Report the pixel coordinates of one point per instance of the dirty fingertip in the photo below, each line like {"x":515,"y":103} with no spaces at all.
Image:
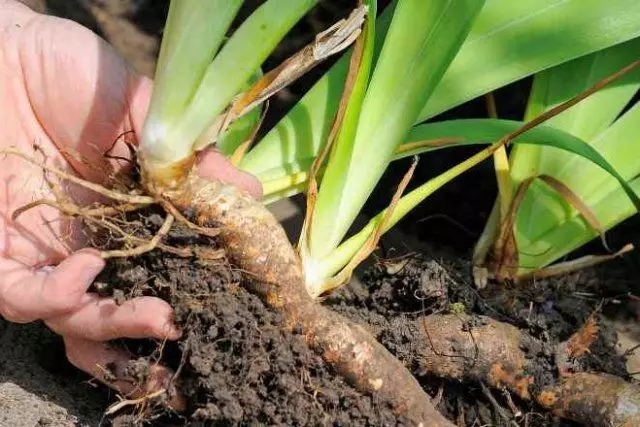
{"x":161,"y":378}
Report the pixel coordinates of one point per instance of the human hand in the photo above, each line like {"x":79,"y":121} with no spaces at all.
{"x":66,"y":91}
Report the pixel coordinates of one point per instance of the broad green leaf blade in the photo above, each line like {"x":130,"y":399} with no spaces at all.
{"x":486,"y":131}
{"x":509,"y":41}
{"x":585,"y":120}
{"x":563,"y":239}
{"x":619,"y":144}
{"x":514,"y":39}
{"x":617,"y":204}
{"x":603,"y":174}
{"x":305,"y":129}
{"x":423,"y":39}
{"x":182,"y":62}
{"x":596,"y":113}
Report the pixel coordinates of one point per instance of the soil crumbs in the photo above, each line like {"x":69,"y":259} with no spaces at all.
{"x":407,"y":288}
{"x":238,"y":364}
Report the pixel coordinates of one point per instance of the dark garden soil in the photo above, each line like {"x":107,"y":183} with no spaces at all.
{"x":237,"y":364}
{"x":411,"y":287}
{"x":236,"y":361}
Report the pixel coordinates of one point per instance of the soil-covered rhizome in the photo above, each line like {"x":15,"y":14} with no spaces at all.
{"x":239,"y":363}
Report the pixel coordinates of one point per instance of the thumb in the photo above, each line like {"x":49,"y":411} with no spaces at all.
{"x":215,"y":166}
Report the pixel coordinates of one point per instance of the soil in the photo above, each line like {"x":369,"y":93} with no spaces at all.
{"x":410,"y":287}
{"x":38,"y":387}
{"x":237,"y":364}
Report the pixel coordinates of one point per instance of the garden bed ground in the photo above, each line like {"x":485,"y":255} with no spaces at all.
{"x":240,"y":364}
{"x":237,"y":362}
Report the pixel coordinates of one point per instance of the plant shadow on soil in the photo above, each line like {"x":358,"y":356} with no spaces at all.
{"x":238,"y":365}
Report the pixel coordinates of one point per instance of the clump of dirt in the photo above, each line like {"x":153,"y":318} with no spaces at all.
{"x":399,"y":291}
{"x":550,"y":310}
{"x":236,"y":363}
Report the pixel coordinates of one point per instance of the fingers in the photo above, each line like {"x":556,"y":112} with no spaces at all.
{"x":26,"y":295}
{"x":102,"y":362}
{"x":101,"y":319}
{"x":214,"y":165}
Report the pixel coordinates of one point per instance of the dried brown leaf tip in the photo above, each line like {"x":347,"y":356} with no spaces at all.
{"x":330,"y":42}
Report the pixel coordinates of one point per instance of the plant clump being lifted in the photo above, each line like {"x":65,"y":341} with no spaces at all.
{"x":396,"y":75}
